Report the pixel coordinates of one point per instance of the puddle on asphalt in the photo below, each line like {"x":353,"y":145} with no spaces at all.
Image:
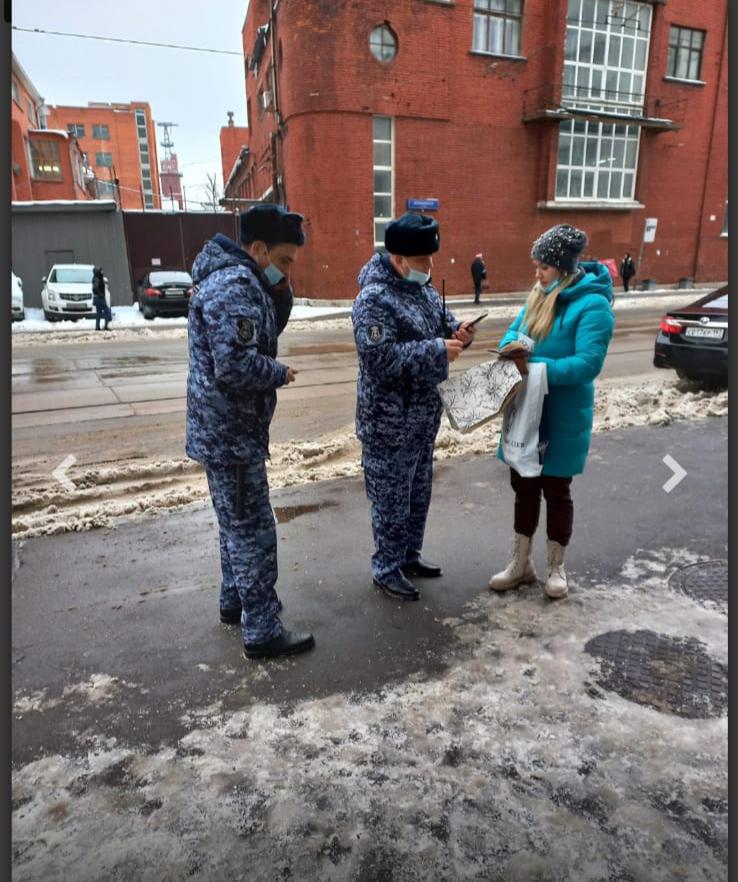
{"x":287,"y":513}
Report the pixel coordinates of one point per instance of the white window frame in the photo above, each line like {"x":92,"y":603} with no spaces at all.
{"x":383,"y":221}
{"x":607,"y":48}
{"x":15,"y":91}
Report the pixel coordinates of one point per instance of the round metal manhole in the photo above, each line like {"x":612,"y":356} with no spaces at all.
{"x":705,"y":582}
{"x":673,"y":675}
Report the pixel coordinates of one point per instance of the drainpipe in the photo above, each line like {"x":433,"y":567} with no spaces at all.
{"x":703,"y":202}
{"x":279,"y":194}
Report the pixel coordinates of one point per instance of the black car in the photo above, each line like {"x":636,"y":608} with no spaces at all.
{"x":165,"y":293}
{"x":694,"y":340}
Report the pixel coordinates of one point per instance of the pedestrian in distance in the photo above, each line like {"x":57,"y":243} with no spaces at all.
{"x":242,"y":305}
{"x":405,"y":339}
{"x":99,"y":301}
{"x":479,"y":274}
{"x":627,"y":270}
{"x":570,"y":320}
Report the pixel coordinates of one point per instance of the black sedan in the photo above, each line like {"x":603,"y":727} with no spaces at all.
{"x":694,"y":340}
{"x":165,"y":293}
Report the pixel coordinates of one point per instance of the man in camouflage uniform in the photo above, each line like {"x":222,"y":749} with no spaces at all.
{"x":242,"y":304}
{"x":405,"y":340}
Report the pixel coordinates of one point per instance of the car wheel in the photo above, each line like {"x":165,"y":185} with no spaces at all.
{"x":148,"y":312}
{"x":50,"y":317}
{"x":140,"y":306}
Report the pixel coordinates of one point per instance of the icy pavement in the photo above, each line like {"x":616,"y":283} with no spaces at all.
{"x":469,"y":736}
{"x":103,"y":494}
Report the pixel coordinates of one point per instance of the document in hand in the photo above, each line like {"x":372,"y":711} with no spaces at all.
{"x":480,"y":393}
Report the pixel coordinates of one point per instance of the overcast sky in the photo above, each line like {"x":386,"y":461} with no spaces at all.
{"x":193,"y":89}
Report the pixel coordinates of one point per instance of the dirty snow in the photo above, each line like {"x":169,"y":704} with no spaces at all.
{"x":129,"y":323}
{"x":103,"y":494}
{"x":512,"y":766}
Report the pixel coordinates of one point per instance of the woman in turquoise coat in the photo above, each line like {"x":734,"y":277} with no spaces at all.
{"x":566,"y":324}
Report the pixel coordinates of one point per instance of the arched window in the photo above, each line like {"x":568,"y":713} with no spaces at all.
{"x":383,"y":43}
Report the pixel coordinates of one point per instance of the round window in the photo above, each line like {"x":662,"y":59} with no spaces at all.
{"x":383,"y":43}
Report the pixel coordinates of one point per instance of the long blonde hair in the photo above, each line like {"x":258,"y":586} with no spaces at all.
{"x":540,"y":309}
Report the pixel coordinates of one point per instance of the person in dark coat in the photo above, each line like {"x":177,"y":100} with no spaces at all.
{"x":479,"y":273}
{"x":242,"y":305}
{"x":627,"y":270}
{"x":405,"y":341}
{"x":102,"y":309}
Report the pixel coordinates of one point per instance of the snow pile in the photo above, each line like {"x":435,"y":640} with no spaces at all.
{"x":129,"y":318}
{"x":510,"y":765}
{"x":103,"y":494}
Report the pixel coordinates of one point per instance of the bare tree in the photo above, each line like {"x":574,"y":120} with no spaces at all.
{"x":212,"y":194}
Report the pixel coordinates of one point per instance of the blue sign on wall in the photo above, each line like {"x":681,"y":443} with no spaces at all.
{"x":423,"y":204}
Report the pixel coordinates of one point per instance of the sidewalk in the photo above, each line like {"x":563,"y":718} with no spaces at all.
{"x":506,"y":298}
{"x":505,"y":736}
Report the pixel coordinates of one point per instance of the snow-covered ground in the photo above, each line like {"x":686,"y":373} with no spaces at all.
{"x":129,"y":317}
{"x":138,"y":488}
{"x":129,"y":323}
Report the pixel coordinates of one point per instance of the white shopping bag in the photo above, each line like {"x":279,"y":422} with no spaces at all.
{"x":479,"y":394}
{"x":521,"y":446}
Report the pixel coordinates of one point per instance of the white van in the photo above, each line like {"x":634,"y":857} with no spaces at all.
{"x":17,"y":313}
{"x":67,"y":292}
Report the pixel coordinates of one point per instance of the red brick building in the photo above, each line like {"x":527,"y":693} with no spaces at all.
{"x":119,"y":141}
{"x":512,"y":114}
{"x":171,"y":181}
{"x":45,"y":164}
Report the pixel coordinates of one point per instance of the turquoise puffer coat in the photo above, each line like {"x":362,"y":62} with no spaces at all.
{"x":574,"y":352}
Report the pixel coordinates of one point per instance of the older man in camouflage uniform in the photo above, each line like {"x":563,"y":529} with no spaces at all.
{"x":405,"y":339}
{"x":242,"y":304}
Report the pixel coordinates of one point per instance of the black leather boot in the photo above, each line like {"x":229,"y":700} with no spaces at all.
{"x":424,"y":569}
{"x":289,"y":643}
{"x":396,"y":585}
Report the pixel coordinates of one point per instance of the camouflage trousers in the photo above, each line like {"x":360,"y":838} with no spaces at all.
{"x":398,"y":486}
{"x":248,"y":549}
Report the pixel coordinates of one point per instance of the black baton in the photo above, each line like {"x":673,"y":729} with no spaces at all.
{"x":240,"y":474}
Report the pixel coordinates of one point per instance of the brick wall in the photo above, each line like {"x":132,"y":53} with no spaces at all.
{"x":460,"y":137}
{"x":122,"y":144}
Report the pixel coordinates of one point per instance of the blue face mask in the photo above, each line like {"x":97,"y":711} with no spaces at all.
{"x":417,"y":277}
{"x":550,"y":288}
{"x":274,"y":276}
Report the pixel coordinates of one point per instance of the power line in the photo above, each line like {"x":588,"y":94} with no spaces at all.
{"x":132,"y":42}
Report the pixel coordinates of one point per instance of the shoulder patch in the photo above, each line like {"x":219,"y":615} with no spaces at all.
{"x":246,"y":329}
{"x":375,"y":333}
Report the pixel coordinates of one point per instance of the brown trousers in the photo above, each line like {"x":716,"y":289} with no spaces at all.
{"x":559,"y":505}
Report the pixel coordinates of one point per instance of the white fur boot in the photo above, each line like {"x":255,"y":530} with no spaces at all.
{"x":520,"y":569}
{"x":556,"y":583}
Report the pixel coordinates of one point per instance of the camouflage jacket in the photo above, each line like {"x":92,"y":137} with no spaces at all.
{"x":399,"y":334}
{"x":235,"y":319}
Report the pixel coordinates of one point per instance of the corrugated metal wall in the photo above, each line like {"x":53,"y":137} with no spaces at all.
{"x":172,"y":239}
{"x":126,"y":244}
{"x":55,"y":233}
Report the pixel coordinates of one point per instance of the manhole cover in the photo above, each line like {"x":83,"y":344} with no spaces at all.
{"x":706,"y":581}
{"x":666,"y":673}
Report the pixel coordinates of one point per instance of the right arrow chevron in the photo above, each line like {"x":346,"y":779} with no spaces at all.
{"x":677,"y":477}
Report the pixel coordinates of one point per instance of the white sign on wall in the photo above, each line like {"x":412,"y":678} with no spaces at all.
{"x":649,"y":231}
{"x":156,"y":261}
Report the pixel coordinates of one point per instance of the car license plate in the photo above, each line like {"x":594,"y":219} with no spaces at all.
{"x":80,"y":307}
{"x":714,"y":333}
{"x":173,"y":292}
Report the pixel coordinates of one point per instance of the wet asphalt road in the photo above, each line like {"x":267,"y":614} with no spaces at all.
{"x":124,"y":400}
